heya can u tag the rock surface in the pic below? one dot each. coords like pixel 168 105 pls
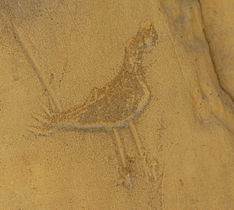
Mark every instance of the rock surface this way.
pixel 66 48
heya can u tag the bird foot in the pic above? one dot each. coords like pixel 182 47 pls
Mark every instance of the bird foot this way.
pixel 126 180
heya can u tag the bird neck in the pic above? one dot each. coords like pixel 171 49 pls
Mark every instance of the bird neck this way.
pixel 133 61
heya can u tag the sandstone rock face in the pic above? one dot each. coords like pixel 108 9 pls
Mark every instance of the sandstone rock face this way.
pixel 58 57
pixel 219 28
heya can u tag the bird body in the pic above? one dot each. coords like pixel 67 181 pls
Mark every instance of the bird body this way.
pixel 113 106
pixel 120 100
pixel 108 107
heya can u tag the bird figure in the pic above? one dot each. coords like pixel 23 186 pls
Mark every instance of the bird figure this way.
pixel 116 105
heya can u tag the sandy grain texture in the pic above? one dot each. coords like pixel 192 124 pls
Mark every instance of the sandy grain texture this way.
pixel 62 50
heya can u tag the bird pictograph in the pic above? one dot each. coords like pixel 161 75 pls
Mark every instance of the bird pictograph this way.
pixel 116 105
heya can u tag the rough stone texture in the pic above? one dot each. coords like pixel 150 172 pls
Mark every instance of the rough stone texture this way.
pixel 186 130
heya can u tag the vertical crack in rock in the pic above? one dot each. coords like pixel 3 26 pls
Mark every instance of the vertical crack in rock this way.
pixel 220 102
pixel 210 50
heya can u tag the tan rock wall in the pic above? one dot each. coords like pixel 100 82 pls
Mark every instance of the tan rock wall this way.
pixel 186 130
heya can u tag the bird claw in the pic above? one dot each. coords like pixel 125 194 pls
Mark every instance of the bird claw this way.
pixel 126 181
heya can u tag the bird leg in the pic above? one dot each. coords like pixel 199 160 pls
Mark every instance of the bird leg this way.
pixel 125 171
pixel 149 169
pixel 120 147
pixel 137 138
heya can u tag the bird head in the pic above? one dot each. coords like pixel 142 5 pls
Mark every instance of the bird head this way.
pixel 146 37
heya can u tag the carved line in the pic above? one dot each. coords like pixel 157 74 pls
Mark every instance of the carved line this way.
pixel 34 66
